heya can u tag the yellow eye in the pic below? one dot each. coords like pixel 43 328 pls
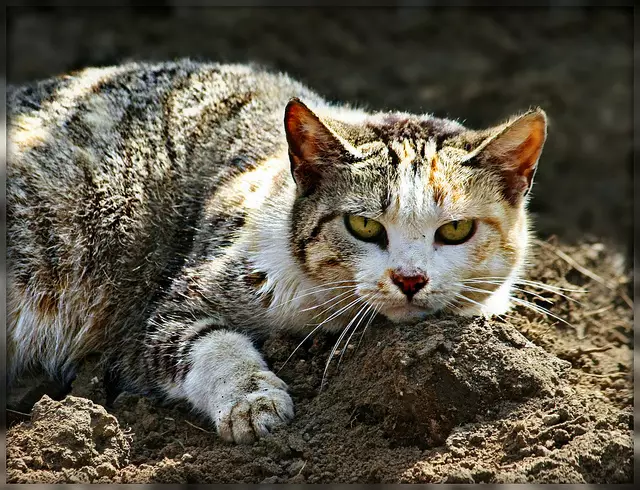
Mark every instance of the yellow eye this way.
pixel 455 232
pixel 366 229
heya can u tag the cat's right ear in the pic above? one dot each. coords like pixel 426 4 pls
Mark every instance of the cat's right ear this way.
pixel 312 146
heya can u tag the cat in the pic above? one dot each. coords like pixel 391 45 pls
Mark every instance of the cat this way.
pixel 169 215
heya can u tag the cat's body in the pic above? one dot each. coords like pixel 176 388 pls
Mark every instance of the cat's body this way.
pixel 160 213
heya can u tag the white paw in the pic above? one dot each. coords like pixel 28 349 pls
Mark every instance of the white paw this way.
pixel 253 406
pixel 230 382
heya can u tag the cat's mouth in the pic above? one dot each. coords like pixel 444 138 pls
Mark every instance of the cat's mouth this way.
pixel 408 312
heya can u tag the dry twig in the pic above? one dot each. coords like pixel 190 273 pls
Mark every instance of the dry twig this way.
pixel 196 427
pixel 584 271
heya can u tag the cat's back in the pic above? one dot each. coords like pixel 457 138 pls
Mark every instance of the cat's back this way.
pixel 111 153
pixel 107 168
pixel 102 106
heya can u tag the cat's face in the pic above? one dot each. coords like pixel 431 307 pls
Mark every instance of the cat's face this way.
pixel 421 214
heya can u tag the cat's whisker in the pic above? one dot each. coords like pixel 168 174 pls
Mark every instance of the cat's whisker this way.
pixel 536 284
pixel 527 304
pixel 371 306
pixel 328 301
pixel 480 290
pixel 316 328
pixel 553 290
pixel 342 335
pixel 364 330
pixel 480 305
pixel 451 304
pixel 315 290
pixel 540 310
pixel 545 287
pixel 333 305
pixel 487 291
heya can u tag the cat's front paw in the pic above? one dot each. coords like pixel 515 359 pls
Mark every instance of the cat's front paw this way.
pixel 252 408
pixel 231 383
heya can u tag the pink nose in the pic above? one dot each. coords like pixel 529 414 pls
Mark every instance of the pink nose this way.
pixel 409 285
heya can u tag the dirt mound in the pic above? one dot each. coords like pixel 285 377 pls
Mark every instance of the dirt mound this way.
pixel 73 441
pixel 420 382
pixel 521 398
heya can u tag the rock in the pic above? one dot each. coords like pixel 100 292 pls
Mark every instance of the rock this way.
pixel 69 436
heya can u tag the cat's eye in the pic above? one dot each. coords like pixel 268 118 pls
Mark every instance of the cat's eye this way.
pixel 366 229
pixel 455 232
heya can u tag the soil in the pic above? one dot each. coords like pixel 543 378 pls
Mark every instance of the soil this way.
pixel 527 397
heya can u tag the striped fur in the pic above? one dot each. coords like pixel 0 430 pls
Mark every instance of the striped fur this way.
pixel 154 215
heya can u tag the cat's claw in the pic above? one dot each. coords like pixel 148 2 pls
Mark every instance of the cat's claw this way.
pixel 253 414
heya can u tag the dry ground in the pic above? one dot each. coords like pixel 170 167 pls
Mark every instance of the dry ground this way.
pixel 524 398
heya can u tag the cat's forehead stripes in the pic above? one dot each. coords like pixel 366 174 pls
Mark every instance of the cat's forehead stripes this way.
pixel 413 143
pixel 405 151
pixel 402 126
pixel 422 181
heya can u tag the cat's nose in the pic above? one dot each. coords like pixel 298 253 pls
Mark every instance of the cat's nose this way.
pixel 409 285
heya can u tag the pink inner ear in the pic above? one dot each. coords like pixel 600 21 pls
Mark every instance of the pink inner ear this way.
pixel 528 152
pixel 306 134
pixel 516 151
pixel 310 142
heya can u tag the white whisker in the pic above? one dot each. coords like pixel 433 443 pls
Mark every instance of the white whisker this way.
pixel 344 332
pixel 375 312
pixel 528 282
pixel 314 290
pixel 328 301
pixel 462 296
pixel 316 328
pixel 371 306
pixel 539 309
pixel 336 303
pixel 545 287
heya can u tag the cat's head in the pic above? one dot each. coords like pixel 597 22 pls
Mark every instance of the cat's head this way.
pixel 421 213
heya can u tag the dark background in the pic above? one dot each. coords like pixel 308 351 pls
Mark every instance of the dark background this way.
pixel 475 65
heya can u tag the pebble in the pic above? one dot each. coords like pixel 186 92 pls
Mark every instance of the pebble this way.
pixel 105 469
pixel 561 436
pixel 476 439
pixel 551 419
pixel 540 450
pixel 460 475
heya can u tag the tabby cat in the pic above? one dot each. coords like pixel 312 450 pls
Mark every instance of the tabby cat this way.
pixel 170 215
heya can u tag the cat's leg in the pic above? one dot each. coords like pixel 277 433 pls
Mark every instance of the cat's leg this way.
pixel 219 371
pixel 243 397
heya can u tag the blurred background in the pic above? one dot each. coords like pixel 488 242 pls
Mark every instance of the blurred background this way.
pixel 475 65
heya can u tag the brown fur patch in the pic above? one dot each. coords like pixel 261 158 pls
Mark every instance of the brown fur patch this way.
pixel 438 195
pixel 480 253
pixel 330 262
pixel 255 279
pixel 266 299
pixel 28 132
pixel 434 164
pixel 495 224
pixel 47 304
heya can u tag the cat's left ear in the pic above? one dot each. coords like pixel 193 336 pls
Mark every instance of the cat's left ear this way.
pixel 313 148
pixel 514 150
